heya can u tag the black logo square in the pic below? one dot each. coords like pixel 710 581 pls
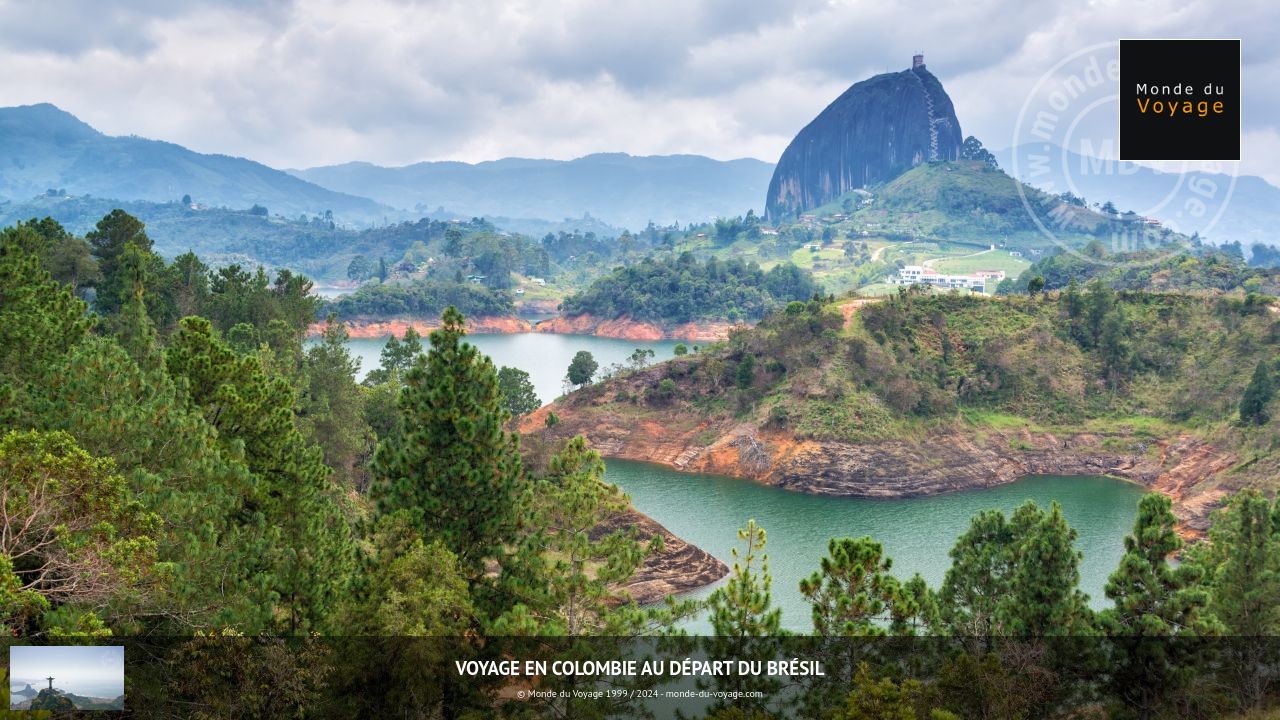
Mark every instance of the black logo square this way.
pixel 1180 99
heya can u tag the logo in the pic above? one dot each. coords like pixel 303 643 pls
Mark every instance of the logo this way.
pixel 1066 144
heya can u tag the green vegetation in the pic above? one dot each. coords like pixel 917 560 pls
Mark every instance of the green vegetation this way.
pixel 518 395
pixel 177 461
pixel 421 298
pixel 677 290
pixel 1192 267
pixel 581 369
pixel 174 462
pixel 915 359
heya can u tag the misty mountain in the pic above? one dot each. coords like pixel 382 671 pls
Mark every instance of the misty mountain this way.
pixel 43 147
pixel 616 188
pixel 1252 214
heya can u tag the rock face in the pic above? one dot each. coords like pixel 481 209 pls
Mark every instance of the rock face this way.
pixel 377 328
pixel 679 567
pixel 878 129
pixel 627 329
pixel 1187 469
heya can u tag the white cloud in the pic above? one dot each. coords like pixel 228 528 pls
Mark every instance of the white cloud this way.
pixel 320 81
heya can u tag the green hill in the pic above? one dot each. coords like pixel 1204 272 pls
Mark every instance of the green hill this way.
pixel 923 393
pixel 1197 268
pixel 974 203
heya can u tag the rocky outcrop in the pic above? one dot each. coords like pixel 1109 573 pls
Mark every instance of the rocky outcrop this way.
pixel 878 129
pixel 947 460
pixel 680 566
pixel 495 325
pixel 627 329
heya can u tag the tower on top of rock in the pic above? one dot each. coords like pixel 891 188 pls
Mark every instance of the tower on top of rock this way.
pixel 917 61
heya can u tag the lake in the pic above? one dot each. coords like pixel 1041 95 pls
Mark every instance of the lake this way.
pixel 708 510
pixel 917 533
pixel 544 356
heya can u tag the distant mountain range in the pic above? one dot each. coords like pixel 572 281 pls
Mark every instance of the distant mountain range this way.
pixel 43 147
pixel 1252 214
pixel 619 189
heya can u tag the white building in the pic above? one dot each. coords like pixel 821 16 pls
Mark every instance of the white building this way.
pixel 981 281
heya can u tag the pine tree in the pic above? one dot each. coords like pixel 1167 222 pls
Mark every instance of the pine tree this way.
pixel 133 326
pixel 743 606
pixel 332 409
pixel 582 568
pixel 40 321
pixel 312 565
pixel 452 467
pixel 109 240
pixel 1153 603
pixel 1151 598
pixel 854 594
pixel 982 564
pixel 1043 598
pixel 398 355
pixel 212 546
pixel 744 622
pixel 1257 395
pixel 1242 566
pixel 408 588
pixel 1246 575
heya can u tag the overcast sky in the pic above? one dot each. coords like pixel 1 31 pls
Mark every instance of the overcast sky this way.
pixel 313 82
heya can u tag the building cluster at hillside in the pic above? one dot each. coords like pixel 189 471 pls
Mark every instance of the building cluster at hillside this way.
pixel 980 281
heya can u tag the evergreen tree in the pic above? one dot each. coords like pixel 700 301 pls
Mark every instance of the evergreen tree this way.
pixel 1241 562
pixel 1099 301
pixel 452 468
pixel 40 320
pixel 743 606
pixel 408 588
pixel 66 257
pixel 133 326
pixel 518 395
pixel 745 374
pixel 332 409
pixel 189 280
pixel 1244 561
pixel 854 594
pixel 1153 603
pixel 398 355
pixel 314 559
pixel 744 622
pixel 109 240
pixel 1043 598
pixel 1153 599
pixel 1257 395
pixel 582 568
pixel 212 544
pixel 982 564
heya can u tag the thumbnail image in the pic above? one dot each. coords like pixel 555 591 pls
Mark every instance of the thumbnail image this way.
pixel 66 678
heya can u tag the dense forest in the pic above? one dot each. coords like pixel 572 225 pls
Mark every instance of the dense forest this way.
pixel 176 463
pixel 1197 267
pixel 681 289
pixel 422 298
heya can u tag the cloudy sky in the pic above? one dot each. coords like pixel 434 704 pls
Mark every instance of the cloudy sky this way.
pixel 298 83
